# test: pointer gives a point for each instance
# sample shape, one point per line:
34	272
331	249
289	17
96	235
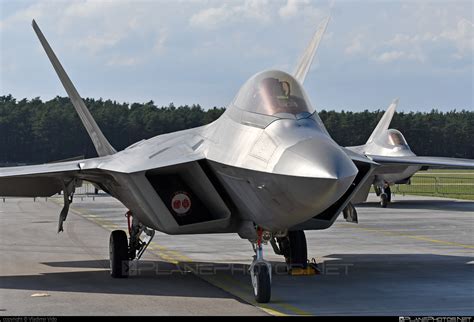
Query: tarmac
415	257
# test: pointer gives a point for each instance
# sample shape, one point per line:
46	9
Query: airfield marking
167	255
391	233
286	306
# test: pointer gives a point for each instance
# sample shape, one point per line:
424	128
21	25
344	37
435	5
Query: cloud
211	18
124	61
462	37
24	16
390	56
303	8
356	46
160	41
291	8
97	43
397	55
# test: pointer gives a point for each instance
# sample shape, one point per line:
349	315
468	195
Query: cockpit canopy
396	138
274	93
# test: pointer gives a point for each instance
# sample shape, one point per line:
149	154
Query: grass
440	183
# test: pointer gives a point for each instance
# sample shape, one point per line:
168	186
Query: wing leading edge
434	162
43	180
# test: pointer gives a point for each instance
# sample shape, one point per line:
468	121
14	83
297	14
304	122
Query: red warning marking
181	203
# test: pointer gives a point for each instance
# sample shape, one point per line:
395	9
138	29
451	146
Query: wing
426	162
45	180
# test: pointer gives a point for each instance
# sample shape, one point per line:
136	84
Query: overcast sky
202	51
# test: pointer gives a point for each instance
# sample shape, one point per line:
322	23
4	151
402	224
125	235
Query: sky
202	51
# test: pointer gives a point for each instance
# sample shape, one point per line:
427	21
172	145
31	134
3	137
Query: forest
33	131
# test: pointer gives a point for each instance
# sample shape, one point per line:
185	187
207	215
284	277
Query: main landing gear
294	248
122	251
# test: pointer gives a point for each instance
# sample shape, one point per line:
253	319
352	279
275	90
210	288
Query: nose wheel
261	273
261	282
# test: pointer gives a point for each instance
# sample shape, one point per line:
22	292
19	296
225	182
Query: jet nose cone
318	157
317	173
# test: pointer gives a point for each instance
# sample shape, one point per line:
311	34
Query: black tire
388	191
298	249
118	251
263	289
383	200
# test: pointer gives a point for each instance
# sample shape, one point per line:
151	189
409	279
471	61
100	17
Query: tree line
33	131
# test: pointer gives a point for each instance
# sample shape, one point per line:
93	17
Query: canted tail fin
101	144
308	55
384	122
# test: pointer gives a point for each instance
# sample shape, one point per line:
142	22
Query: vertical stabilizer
384	122
101	144
308	55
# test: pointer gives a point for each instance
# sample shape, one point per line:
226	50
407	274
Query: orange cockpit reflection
276	97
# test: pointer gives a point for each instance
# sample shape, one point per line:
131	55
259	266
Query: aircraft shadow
154	278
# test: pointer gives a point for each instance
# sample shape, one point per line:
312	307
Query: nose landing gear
385	194
260	272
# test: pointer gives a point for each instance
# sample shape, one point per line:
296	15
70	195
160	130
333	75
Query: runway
414	258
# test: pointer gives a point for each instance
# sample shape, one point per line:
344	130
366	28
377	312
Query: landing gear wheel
388	191
298	251
118	250
383	200
261	282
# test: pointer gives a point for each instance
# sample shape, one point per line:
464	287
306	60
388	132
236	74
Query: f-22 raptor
399	163
266	170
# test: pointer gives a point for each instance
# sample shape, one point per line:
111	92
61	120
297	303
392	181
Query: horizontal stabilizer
101	144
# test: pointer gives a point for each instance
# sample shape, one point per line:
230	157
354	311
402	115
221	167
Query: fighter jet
389	148
266	170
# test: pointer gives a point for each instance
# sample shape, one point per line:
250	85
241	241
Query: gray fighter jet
389	148
266	170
